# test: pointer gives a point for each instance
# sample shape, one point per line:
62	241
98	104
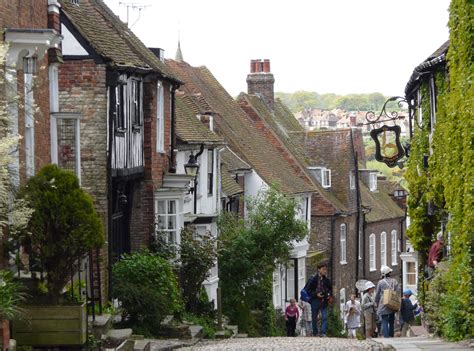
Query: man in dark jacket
320	289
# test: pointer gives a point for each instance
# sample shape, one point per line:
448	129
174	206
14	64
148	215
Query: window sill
136	128
120	132
372	270
343	262
394	263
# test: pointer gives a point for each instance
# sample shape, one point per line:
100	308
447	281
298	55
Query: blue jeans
316	306
388	321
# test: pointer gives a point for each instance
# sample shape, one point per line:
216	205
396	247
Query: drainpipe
110	195
172	165
359	217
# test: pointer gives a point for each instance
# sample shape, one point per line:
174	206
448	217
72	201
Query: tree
197	256
64	226
250	250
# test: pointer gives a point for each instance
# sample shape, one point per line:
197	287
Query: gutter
172	165
422	69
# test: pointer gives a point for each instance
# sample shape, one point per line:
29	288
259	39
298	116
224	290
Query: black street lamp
192	168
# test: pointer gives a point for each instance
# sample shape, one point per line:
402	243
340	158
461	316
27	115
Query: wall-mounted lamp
192	168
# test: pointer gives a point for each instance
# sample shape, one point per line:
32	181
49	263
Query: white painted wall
70	45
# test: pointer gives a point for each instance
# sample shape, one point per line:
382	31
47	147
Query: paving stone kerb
284	343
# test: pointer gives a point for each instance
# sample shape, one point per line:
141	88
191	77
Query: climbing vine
447	181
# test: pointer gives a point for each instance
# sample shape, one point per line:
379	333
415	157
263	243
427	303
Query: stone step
196	331
242	335
101	325
234	328
119	333
141	345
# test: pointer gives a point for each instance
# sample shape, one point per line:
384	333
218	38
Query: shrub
64	225
10	296
147	288
197	256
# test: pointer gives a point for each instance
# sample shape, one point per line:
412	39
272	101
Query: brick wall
82	90
377	228
34	14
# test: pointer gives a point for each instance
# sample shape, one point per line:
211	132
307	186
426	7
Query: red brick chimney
260	81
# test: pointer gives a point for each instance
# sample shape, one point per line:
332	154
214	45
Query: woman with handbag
386	312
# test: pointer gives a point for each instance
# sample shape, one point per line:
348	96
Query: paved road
424	342
283	344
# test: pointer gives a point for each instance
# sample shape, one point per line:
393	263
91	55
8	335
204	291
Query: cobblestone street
284	343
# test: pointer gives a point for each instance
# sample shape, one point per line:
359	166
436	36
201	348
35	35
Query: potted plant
63	228
11	296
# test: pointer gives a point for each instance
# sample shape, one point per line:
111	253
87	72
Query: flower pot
4	334
54	325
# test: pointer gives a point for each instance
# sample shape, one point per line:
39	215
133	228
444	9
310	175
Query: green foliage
64	224
335	325
11	295
208	324
197	256
75	293
301	100
447	183
147	288
249	251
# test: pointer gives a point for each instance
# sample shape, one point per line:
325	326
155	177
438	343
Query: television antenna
134	6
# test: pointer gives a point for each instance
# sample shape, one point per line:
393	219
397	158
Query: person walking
306	318
352	316
292	314
407	315
368	308
320	289
386	314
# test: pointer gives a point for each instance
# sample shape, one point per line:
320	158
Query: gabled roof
188	128
233	162
381	205
229	186
111	38
290	132
242	135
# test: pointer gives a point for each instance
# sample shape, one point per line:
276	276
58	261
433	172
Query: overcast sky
327	46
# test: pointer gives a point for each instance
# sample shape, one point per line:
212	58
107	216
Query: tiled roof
229	186
381	205
188	128
291	134
110	37
241	134
233	162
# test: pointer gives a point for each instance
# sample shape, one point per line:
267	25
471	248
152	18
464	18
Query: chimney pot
252	66
266	66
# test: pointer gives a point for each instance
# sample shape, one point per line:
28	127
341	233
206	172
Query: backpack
305	294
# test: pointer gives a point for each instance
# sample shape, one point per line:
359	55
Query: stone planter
55	325
4	334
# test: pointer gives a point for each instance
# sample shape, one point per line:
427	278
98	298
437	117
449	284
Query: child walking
306	318
292	314
352	316
407	315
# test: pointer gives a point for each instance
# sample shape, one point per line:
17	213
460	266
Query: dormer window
373	181
399	193
322	175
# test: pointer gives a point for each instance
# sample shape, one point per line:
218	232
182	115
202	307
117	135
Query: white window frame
172	233
360	243
383	249
160	117
326	178
54	139
352	180
373	181
343	243
372	253
394	250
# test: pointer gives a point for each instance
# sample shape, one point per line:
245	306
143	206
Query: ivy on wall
447	182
